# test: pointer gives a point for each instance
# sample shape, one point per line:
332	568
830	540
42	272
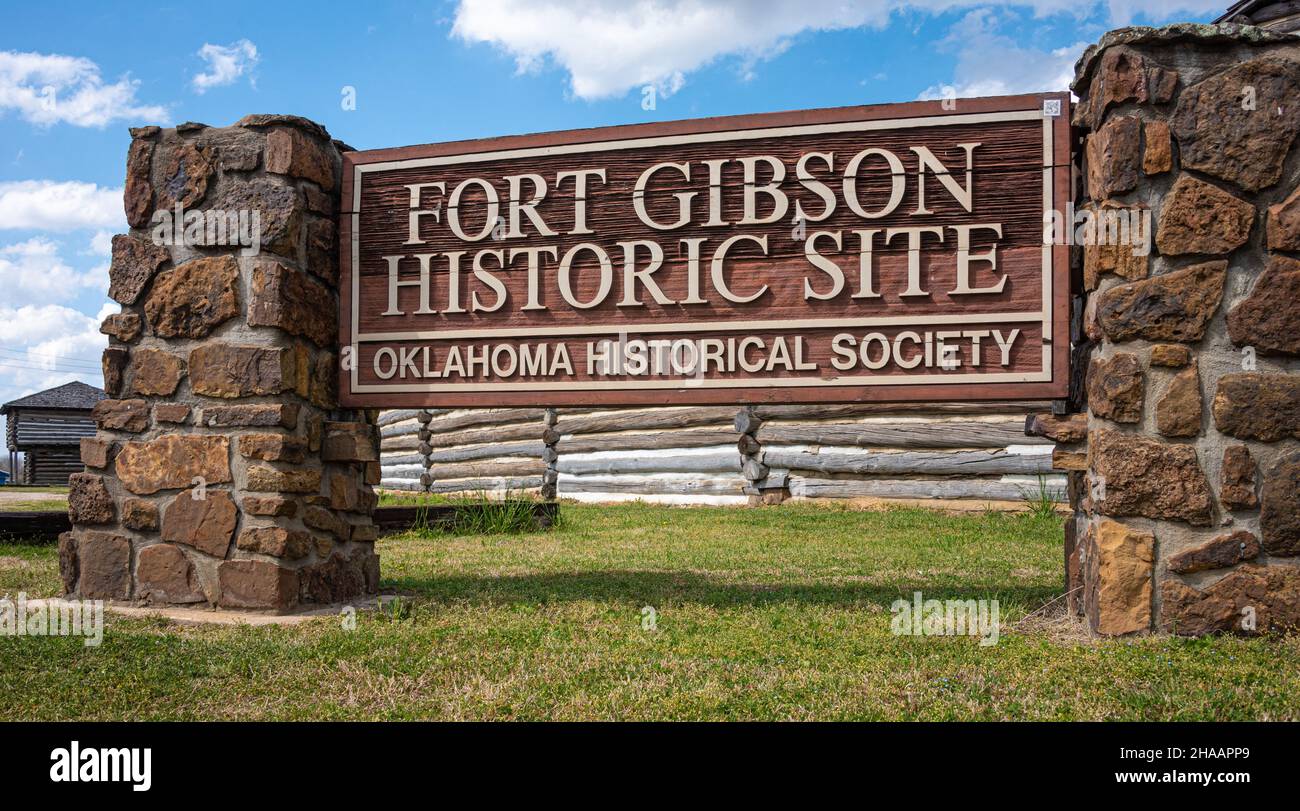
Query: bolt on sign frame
884	253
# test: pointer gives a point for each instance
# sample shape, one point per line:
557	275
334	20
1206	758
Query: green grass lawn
769	613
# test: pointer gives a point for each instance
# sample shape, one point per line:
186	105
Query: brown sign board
883	253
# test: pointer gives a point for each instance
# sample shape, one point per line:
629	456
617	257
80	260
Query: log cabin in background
47	427
963	454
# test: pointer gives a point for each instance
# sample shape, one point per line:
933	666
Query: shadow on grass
648	587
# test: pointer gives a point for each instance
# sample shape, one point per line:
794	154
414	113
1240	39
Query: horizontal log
719	462
489	451
456	421
663	485
404	442
496	433
397	415
649	441
937	463
486	486
645	419
830	412
517	468
971	434
401	471
401	459
991	489
399	429
400	484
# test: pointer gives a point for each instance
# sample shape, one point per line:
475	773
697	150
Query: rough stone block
1269	594
137	199
1115	388
278	208
270	506
337	579
1148	478
125	327
1253	405
1279	514
289	299
264	478
69	565
1174	306
88	500
325	520
273	447
1124	572
113	365
195	298
172	413
293	152
273	415
350	442
1069	460
131	416
1157	154
1219	553
104	566
230	370
154	372
164	575
1066	430
1197	217
139	514
186	168
133	264
1269	318
1173	356
256	584
1179	409
1237	491
95	452
1113	157
1243	144
1284	224
172	462
322	248
1122	75
202	519
279	542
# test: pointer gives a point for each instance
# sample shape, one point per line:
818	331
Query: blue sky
74	76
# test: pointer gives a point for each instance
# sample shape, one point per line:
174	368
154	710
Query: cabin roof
74	396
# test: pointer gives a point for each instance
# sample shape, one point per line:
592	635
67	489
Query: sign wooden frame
1049	381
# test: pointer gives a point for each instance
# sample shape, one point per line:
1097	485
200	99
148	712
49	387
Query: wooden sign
880	253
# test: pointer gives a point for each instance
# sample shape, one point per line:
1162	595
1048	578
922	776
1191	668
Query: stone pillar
1189	517
223	472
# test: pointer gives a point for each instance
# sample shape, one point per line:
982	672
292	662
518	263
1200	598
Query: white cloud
992	64
47	89
611	46
101	244
50	205
32	272
226	63
48	345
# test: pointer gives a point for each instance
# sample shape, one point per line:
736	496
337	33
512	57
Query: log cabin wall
965	454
